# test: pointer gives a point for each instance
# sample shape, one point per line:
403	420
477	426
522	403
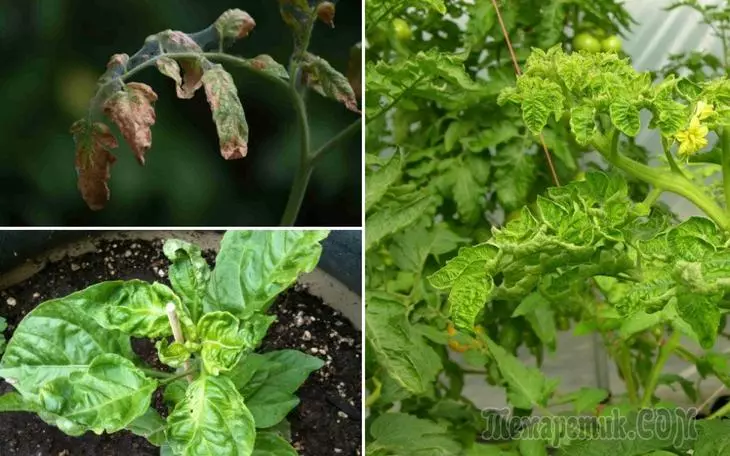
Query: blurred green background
52	52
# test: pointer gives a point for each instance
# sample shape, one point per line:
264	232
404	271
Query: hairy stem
725	161
667	181
665	352
375	395
336	140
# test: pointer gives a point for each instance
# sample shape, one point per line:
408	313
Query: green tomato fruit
611	44
402	29
586	42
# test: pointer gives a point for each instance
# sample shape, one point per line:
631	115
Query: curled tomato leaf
176	41
234	24
187	80
93	161
267	64
131	109
321	77
228	115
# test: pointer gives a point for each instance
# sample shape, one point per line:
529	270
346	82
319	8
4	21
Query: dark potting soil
326	422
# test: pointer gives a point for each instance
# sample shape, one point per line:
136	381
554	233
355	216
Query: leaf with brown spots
176	41
266	64
319	76
190	80
131	109
93	161
230	121
234	24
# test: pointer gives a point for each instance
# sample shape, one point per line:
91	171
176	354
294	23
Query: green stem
653	196
686	355
623	360
173	377
296	194
336	140
724	410
156	373
725	161
669	182
375	395
664	352
670	159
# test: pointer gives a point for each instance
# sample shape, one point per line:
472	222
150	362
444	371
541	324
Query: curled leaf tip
321	77
186	73
326	13
132	110
234	24
176	41
93	161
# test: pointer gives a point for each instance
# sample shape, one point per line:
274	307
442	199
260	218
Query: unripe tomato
402	29
611	44
586	42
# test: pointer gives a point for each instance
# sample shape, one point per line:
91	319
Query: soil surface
326	422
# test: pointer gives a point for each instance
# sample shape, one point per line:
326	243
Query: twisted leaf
187	83
319	76
93	161
131	109
228	115
234	24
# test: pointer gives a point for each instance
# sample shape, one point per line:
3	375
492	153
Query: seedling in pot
70	360
195	60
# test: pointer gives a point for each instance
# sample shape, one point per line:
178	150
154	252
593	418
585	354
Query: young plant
195	60
70	360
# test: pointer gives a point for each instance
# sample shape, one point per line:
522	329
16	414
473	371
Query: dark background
52	52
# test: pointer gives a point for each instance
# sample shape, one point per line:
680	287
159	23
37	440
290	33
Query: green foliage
70	359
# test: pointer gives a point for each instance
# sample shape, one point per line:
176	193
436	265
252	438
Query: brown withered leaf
230	121
176	41
319	76
93	161
234	24
131	109
326	13
188	80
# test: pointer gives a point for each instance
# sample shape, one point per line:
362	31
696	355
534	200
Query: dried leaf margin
93	161
321	77
228	115
133	111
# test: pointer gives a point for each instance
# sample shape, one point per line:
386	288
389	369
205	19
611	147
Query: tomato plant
195	60
71	361
454	144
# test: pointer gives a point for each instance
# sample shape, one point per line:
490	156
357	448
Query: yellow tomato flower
703	110
692	139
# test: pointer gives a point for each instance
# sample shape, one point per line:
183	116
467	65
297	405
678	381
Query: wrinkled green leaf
189	274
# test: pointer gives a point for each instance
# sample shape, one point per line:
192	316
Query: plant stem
375	395
725	160
336	140
156	373
186	373
296	195
685	354
652	196
623	360
670	182
177	331
724	410
664	352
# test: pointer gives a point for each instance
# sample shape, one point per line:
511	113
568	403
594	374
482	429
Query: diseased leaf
228	115
398	348
583	123
319	76
234	24
268	65
173	354
625	116
172	41
132	110
189	274
187	83
378	182
211	420
253	267
222	341
60	337
299	16
104	397
93	161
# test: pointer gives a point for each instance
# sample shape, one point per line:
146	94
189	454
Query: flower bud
326	13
